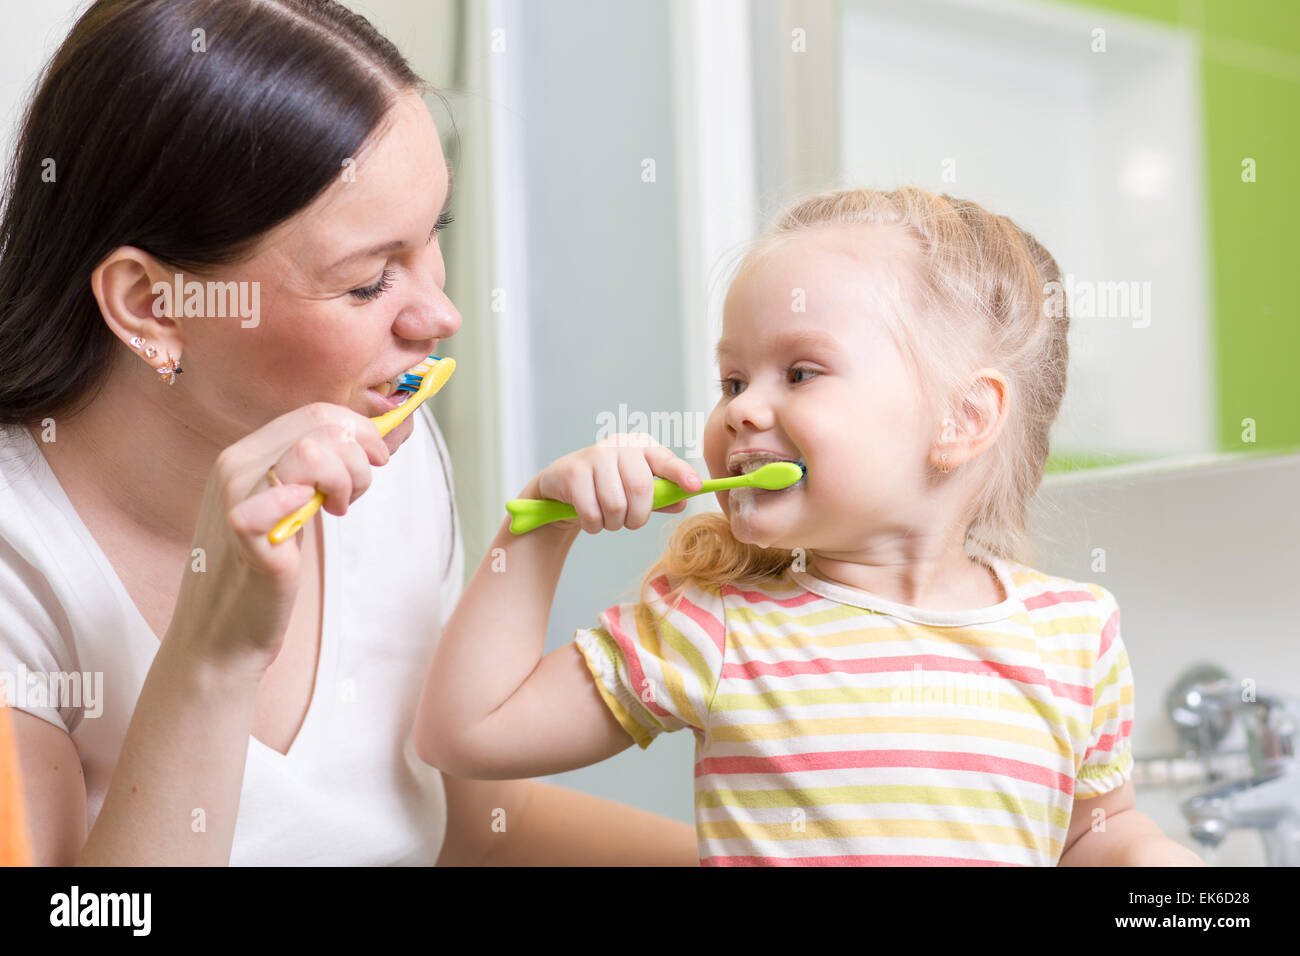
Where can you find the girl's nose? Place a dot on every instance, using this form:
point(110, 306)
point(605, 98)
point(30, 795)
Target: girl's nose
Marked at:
point(749, 410)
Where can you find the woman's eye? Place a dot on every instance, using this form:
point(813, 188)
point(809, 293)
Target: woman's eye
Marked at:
point(726, 383)
point(371, 292)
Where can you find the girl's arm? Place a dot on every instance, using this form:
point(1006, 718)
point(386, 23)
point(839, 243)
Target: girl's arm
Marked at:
point(493, 707)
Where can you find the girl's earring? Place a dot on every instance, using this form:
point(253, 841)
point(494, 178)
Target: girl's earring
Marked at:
point(944, 466)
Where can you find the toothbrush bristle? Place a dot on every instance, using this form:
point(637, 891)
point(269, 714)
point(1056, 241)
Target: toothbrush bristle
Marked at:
point(411, 380)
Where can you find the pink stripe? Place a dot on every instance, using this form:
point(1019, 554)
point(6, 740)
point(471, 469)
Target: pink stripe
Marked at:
point(1108, 632)
point(902, 665)
point(1048, 598)
point(855, 759)
point(874, 859)
point(627, 646)
point(706, 622)
point(1106, 742)
point(760, 597)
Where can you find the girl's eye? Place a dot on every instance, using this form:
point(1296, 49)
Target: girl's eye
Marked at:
point(445, 220)
point(806, 371)
point(726, 383)
point(371, 292)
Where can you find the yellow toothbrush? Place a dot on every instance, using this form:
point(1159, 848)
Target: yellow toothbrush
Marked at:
point(424, 380)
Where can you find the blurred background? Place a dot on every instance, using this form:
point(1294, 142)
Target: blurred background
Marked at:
point(611, 158)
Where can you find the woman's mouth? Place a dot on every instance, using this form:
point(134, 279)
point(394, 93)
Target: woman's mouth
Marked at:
point(386, 395)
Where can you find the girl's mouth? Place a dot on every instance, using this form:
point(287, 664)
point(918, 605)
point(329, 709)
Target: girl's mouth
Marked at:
point(742, 463)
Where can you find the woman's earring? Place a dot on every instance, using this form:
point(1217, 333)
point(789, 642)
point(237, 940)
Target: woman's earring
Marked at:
point(172, 369)
point(168, 371)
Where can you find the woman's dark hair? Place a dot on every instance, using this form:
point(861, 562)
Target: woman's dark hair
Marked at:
point(187, 145)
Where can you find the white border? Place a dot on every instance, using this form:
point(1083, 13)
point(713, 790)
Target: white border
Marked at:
point(509, 256)
point(717, 207)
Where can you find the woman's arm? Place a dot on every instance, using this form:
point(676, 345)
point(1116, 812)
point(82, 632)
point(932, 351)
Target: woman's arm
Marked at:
point(175, 791)
point(527, 823)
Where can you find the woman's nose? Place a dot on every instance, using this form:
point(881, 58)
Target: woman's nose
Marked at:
point(434, 317)
point(427, 313)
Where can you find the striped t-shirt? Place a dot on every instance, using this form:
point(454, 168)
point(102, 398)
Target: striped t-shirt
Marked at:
point(836, 728)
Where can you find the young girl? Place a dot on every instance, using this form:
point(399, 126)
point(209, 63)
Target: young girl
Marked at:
point(871, 676)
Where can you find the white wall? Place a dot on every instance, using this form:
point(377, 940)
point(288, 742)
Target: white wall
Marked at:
point(1098, 154)
point(33, 31)
point(1202, 558)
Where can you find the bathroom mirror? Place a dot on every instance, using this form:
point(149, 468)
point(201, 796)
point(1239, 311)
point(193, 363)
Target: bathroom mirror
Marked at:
point(1130, 145)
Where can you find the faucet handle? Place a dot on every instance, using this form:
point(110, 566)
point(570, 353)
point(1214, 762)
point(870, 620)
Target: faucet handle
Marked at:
point(1199, 707)
point(1272, 724)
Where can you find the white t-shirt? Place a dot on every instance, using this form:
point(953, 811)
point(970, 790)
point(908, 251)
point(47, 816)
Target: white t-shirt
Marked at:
point(351, 790)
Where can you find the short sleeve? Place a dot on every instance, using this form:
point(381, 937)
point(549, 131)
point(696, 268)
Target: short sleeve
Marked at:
point(657, 666)
point(35, 654)
point(453, 570)
point(1108, 760)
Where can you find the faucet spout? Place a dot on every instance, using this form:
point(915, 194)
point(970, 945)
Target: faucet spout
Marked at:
point(1266, 802)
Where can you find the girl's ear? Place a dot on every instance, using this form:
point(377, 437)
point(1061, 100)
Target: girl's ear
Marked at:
point(984, 410)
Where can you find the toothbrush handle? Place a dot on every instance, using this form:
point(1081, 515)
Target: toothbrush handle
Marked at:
point(434, 379)
point(290, 525)
point(530, 513)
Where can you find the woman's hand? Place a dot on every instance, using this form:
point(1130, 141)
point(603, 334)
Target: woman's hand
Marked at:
point(611, 484)
point(234, 608)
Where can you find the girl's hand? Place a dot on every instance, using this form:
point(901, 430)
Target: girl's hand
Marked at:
point(234, 609)
point(611, 484)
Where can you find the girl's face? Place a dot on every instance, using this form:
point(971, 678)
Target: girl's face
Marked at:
point(810, 373)
point(351, 289)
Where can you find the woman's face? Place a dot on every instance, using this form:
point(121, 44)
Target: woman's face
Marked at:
point(350, 289)
point(811, 373)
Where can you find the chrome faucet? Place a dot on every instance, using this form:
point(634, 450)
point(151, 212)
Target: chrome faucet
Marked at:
point(1204, 705)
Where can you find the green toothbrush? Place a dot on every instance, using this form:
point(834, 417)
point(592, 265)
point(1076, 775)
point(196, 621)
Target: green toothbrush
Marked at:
point(530, 513)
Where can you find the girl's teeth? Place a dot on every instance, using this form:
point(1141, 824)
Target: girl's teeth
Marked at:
point(385, 390)
point(753, 464)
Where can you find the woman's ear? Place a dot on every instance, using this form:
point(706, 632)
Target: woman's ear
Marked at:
point(984, 408)
point(124, 287)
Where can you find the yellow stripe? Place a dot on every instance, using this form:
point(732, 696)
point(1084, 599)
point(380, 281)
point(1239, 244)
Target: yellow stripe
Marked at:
point(648, 628)
point(1089, 624)
point(1078, 728)
point(859, 726)
point(1111, 709)
point(827, 615)
point(883, 793)
point(962, 637)
point(636, 731)
point(890, 827)
point(1120, 764)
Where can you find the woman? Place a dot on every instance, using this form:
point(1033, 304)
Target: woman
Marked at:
point(256, 701)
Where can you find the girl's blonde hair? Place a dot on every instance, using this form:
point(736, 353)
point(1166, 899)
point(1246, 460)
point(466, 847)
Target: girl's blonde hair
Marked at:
point(982, 296)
